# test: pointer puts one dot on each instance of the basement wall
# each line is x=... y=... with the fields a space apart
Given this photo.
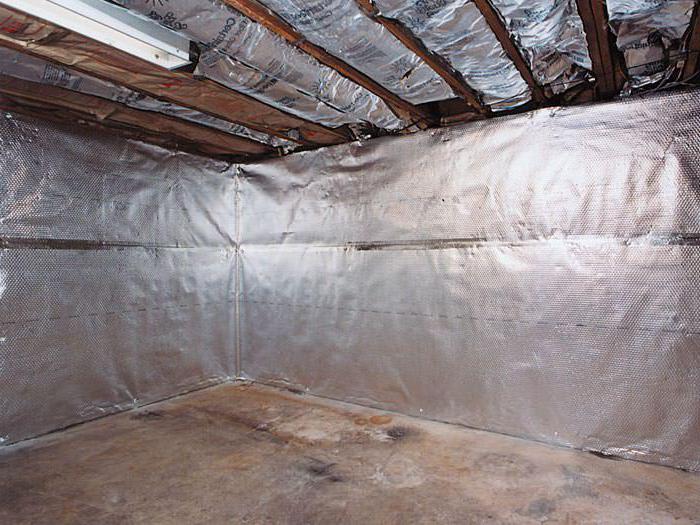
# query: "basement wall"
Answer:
x=117 y=264
x=535 y=275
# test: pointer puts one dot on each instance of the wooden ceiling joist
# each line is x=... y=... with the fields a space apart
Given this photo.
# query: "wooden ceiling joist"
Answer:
x=495 y=22
x=114 y=114
x=601 y=48
x=691 y=68
x=52 y=113
x=93 y=58
x=273 y=22
x=438 y=63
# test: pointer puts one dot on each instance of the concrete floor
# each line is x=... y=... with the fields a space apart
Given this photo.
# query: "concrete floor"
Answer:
x=252 y=454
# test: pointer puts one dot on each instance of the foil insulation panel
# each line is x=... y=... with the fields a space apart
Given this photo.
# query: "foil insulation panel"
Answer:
x=117 y=275
x=245 y=56
x=456 y=30
x=74 y=50
x=534 y=275
x=650 y=35
x=342 y=29
x=34 y=69
x=550 y=34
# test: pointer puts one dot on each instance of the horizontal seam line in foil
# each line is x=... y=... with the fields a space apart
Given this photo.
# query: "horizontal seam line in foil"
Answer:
x=472 y=318
x=467 y=242
x=46 y=243
x=115 y=312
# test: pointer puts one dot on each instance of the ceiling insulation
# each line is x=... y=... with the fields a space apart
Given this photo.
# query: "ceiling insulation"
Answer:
x=289 y=74
x=456 y=30
x=340 y=27
x=550 y=34
x=33 y=69
x=75 y=51
x=247 y=57
x=650 y=35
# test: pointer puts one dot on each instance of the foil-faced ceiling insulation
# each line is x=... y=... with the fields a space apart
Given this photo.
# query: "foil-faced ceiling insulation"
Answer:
x=456 y=30
x=341 y=28
x=550 y=34
x=650 y=35
x=33 y=69
x=245 y=56
x=535 y=275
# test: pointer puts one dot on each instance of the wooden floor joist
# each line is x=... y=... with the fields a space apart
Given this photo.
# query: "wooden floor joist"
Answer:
x=115 y=114
x=51 y=113
x=438 y=63
x=601 y=47
x=691 y=68
x=273 y=22
x=495 y=22
x=93 y=58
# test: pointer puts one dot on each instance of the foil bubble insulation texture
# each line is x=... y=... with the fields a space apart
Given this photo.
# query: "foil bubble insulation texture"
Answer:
x=534 y=275
x=248 y=58
x=650 y=35
x=456 y=30
x=34 y=69
x=117 y=264
x=342 y=29
x=550 y=34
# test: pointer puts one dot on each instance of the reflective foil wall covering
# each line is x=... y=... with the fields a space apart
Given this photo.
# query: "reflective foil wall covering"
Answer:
x=117 y=274
x=534 y=275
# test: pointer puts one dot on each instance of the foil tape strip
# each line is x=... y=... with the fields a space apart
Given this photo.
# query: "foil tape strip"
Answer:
x=537 y=279
x=245 y=56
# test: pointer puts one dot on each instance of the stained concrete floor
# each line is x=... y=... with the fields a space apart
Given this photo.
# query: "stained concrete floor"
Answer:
x=253 y=454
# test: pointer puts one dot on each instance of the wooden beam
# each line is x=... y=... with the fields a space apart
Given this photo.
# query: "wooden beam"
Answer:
x=601 y=48
x=438 y=63
x=47 y=112
x=495 y=22
x=211 y=141
x=267 y=18
x=93 y=58
x=692 y=61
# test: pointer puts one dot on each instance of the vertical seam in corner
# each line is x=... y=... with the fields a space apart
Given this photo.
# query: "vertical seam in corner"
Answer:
x=237 y=302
